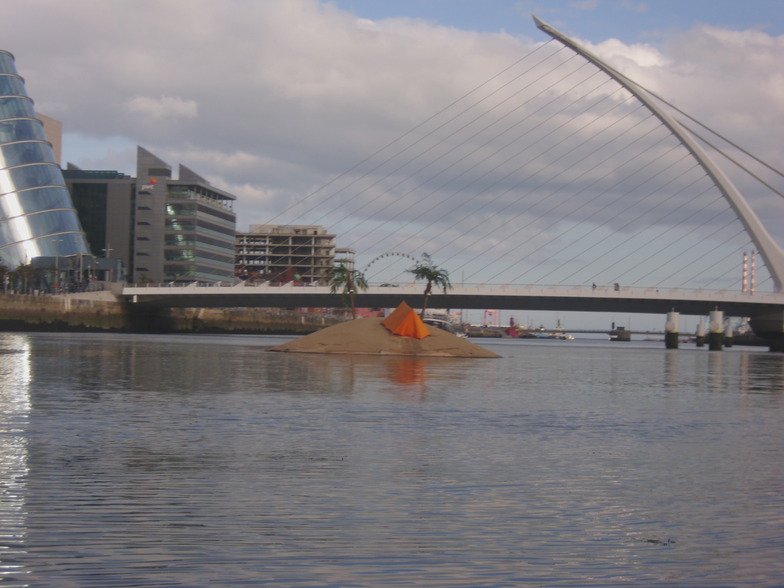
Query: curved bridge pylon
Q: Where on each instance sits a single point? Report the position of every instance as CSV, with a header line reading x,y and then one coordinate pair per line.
x,y
772,255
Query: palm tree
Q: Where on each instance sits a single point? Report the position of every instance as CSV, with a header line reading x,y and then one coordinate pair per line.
x,y
425,270
341,276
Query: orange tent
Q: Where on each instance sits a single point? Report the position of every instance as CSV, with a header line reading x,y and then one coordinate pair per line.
x,y
404,321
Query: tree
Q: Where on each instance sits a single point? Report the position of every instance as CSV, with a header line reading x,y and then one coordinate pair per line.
x,y
22,277
435,276
349,280
5,277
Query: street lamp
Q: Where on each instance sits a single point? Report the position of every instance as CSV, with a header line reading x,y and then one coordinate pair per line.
x,y
106,253
57,264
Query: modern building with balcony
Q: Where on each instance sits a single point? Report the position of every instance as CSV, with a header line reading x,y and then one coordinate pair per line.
x,y
285,253
164,229
37,216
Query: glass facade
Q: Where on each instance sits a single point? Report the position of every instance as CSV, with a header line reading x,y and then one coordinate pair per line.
x,y
199,237
37,217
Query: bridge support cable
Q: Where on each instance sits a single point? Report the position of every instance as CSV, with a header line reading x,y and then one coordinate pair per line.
x,y
400,138
436,237
715,133
769,250
473,101
730,269
574,148
736,162
419,141
424,208
554,171
649,243
618,205
621,211
559,204
704,253
476,164
532,198
451,150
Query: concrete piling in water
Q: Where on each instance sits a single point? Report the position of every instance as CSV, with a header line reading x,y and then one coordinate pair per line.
x,y
728,333
672,330
700,335
716,330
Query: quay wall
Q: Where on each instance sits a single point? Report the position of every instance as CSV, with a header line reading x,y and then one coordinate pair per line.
x,y
91,311
105,312
246,321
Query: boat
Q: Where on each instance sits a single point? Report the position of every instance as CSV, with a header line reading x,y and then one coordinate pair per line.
x,y
560,333
442,319
542,333
620,334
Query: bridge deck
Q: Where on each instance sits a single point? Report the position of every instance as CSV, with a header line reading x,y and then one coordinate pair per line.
x,y
558,298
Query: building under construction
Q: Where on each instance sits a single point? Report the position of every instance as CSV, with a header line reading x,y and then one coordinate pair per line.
x,y
281,254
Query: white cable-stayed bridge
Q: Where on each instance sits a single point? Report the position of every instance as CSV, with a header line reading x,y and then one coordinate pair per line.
x,y
556,184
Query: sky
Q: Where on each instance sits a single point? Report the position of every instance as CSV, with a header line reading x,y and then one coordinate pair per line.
x,y
286,103
630,21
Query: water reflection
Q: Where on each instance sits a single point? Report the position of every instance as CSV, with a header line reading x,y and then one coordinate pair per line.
x,y
715,373
410,374
725,372
762,373
14,416
404,378
189,460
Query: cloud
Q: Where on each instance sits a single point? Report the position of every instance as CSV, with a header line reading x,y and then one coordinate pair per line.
x,y
304,111
162,107
623,55
586,5
639,7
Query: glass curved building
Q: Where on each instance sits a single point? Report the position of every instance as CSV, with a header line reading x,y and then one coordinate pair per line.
x,y
37,217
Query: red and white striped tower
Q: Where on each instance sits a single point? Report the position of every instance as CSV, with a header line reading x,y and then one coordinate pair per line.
x,y
753,272
745,276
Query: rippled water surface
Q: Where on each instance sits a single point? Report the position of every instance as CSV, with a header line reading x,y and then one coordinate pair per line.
x,y
195,461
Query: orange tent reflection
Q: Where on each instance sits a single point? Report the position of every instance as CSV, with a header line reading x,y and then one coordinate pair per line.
x,y
410,374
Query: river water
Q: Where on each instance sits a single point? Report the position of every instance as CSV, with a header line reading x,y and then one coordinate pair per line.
x,y
132,460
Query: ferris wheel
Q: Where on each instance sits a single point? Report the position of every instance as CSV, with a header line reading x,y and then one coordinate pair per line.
x,y
392,271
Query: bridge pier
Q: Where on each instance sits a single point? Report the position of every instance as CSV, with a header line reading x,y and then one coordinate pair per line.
x,y
716,330
770,327
700,334
728,333
672,330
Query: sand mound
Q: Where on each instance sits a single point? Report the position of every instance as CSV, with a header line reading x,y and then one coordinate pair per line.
x,y
368,336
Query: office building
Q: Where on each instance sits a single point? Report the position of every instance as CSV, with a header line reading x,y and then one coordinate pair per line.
x,y
53,129
164,229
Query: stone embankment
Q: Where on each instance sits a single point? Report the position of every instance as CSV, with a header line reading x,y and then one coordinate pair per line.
x,y
103,311
89,311
245,321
